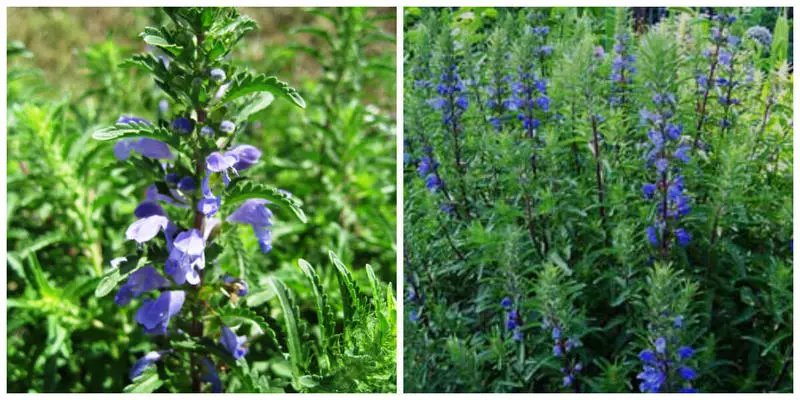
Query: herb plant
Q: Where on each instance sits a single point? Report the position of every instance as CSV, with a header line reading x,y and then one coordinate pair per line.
x,y
597,200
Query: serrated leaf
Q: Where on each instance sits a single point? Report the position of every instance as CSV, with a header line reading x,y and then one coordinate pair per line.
x,y
236,316
320,302
244,83
242,189
136,129
347,287
290,325
253,104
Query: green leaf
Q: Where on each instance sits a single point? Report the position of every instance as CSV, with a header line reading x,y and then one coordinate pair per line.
x,y
245,83
147,382
320,302
113,277
242,189
136,129
309,381
290,324
347,287
237,316
253,104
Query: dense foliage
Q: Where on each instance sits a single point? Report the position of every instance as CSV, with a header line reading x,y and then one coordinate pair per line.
x,y
597,204
139,260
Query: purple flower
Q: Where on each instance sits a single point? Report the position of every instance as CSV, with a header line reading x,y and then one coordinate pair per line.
x,y
506,303
218,75
682,154
147,147
652,379
209,204
433,183
246,155
683,236
687,373
647,356
140,281
186,257
599,52
556,333
146,228
154,315
685,352
661,345
234,344
414,316
207,131
217,162
652,236
678,322
557,350
163,106
255,213
211,376
149,359
648,190
187,184
227,127
183,125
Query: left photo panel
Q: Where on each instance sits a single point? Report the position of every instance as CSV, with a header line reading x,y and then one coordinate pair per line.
x,y
201,200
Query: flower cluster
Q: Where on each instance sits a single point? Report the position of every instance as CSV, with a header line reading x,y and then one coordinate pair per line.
x,y
529,90
513,319
452,100
186,247
720,58
497,90
760,34
622,69
665,363
562,347
666,154
427,169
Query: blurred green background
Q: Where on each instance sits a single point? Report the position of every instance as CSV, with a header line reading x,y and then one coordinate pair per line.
x,y
70,200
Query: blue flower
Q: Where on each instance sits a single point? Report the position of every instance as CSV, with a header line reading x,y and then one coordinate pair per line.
x,y
218,75
218,162
648,190
687,390
661,345
557,350
140,281
246,155
506,303
183,125
414,316
556,333
147,147
687,373
255,213
652,379
210,375
685,352
186,257
227,127
207,131
647,356
567,380
682,236
652,236
149,359
154,315
234,344
678,322
433,183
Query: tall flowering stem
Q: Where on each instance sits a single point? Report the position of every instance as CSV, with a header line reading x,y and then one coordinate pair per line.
x,y
667,152
190,160
716,54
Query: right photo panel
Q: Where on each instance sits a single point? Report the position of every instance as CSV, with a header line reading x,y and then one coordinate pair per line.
x,y
598,199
